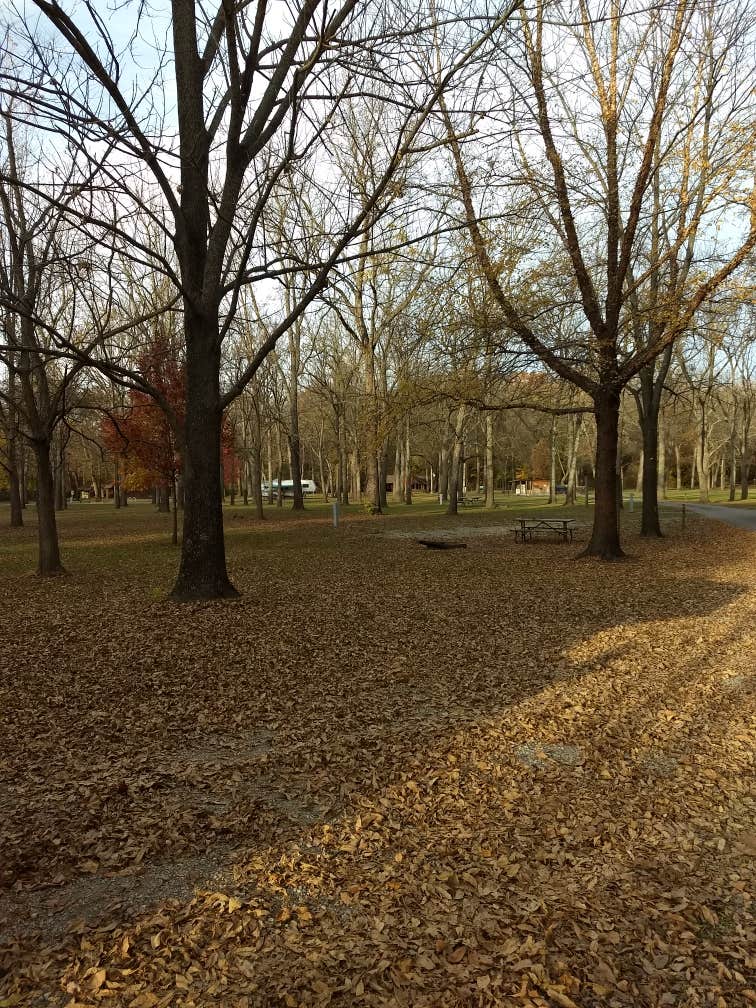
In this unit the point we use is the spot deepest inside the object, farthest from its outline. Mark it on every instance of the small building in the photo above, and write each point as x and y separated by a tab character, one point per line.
419	483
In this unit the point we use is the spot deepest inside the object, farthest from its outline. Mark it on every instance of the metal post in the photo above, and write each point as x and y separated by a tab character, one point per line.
683	517
632	503
440	498
335	507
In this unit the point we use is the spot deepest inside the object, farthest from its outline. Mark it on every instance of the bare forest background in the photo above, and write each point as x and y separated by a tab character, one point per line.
380	250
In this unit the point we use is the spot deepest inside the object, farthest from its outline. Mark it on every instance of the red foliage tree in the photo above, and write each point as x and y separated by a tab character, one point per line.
141	434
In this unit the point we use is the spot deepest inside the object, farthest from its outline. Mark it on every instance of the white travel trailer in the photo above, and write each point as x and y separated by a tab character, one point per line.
287	487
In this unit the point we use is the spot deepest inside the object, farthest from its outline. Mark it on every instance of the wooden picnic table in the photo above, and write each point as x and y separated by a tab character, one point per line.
563	527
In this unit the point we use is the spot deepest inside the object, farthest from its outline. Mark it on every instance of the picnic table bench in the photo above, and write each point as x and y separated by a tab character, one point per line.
471	502
529	527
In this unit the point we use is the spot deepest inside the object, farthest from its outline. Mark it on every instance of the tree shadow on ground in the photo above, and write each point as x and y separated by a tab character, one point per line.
380	702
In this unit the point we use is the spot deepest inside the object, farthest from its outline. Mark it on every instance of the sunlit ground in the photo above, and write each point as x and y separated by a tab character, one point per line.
385	775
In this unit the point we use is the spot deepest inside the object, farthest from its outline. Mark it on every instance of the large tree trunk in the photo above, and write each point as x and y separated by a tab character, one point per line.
49	563
202	572
652	379
605	539
650	525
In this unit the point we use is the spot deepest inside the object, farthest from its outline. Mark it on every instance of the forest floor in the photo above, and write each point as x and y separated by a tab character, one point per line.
385	776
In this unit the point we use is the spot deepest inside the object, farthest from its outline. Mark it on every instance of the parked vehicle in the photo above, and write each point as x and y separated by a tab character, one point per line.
287	487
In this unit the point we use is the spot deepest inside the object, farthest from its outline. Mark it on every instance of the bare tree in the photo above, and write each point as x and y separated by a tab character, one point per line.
629	75
37	310
257	94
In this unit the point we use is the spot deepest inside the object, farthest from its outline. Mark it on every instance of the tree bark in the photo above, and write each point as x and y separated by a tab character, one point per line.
605	540
648	400
50	564
650	525
202	571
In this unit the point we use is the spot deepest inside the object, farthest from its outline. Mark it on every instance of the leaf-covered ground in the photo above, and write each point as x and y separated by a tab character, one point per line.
385	776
